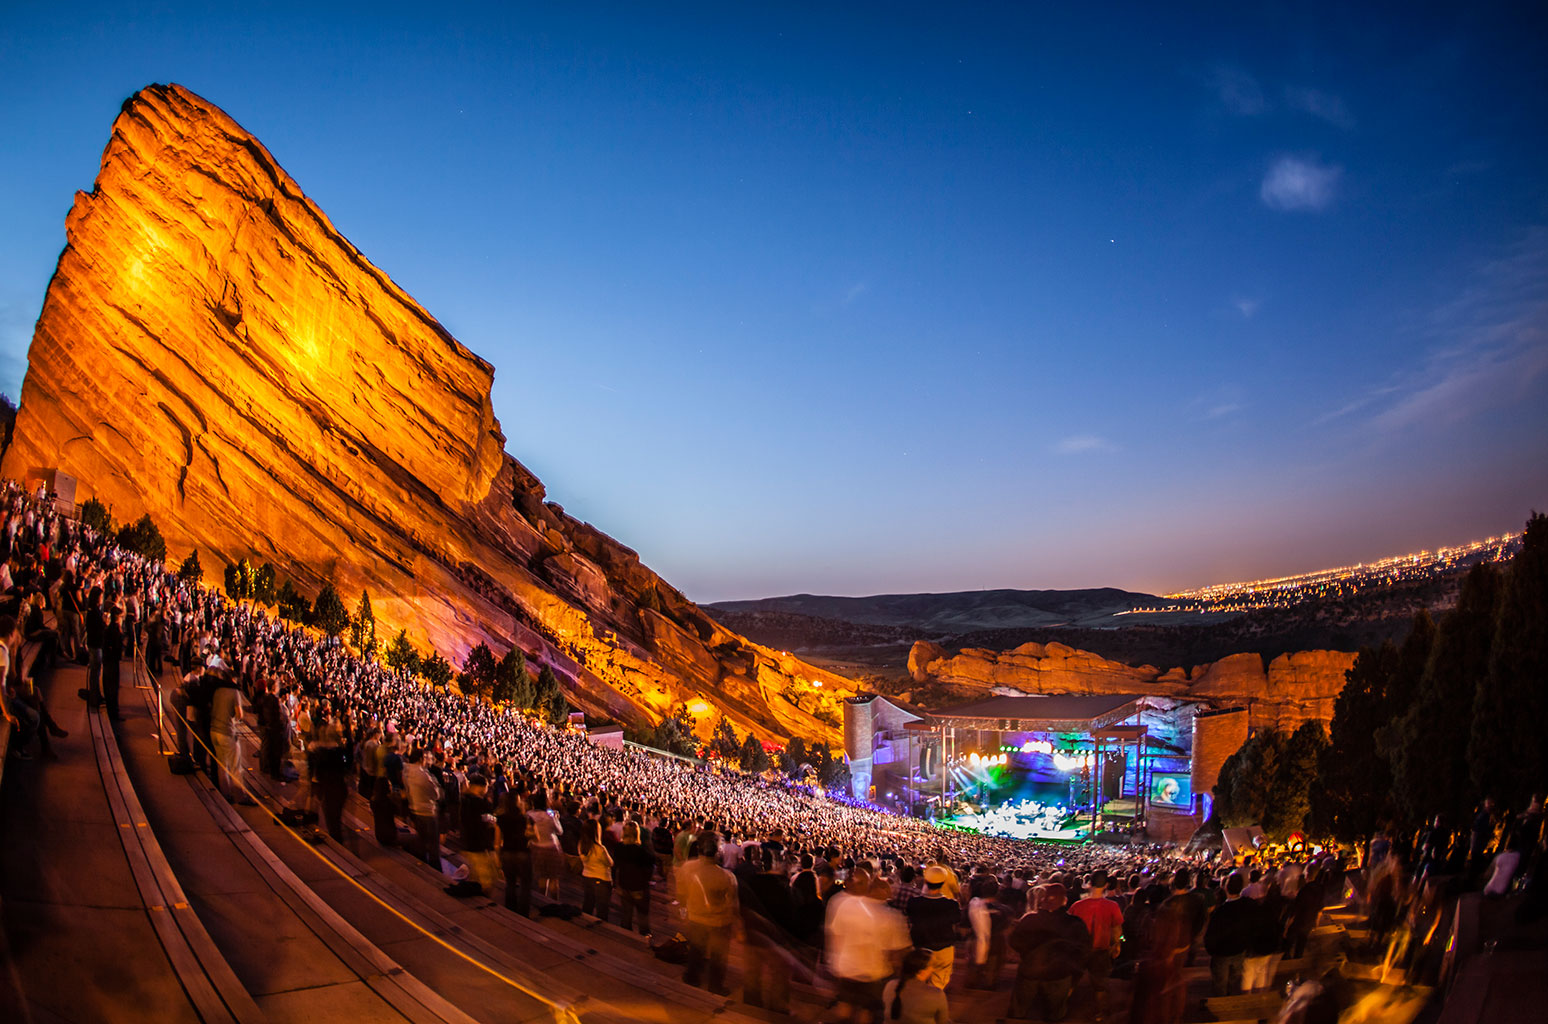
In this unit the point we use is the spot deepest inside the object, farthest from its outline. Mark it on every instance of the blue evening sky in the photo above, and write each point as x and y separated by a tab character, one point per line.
862	298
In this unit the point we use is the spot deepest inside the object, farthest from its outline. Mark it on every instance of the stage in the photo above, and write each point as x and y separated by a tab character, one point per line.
1025	819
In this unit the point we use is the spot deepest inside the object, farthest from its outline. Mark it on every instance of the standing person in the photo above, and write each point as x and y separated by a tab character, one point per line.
69	617
225	713
515	852
423	792
911	998
111	664
708	894
331	763
1226	937
478	833
547	855
1521	835
933	918
96	632
596	871
1054	947
384	798
864	939
769	922
1479	836
1104	920
634	865
24	719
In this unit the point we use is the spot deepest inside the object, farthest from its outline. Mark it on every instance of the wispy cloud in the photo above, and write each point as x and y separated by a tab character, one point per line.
1082	444
853	292
1246	307
1223	401
1300	183
1317	103
1486	348
1238	91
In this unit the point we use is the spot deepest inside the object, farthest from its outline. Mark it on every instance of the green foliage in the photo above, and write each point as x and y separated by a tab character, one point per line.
1353	776
723	740
512	684
292	604
1508	748
362	627
240	580
753	757
144	539
556	709
436	670
791	691
478	671
547	686
1267	781
329	613
263	584
650	599
794	760
675	734
1428	744
96	515
401	656
191	571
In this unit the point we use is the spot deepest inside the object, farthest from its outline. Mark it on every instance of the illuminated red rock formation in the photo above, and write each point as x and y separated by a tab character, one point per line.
213	351
1293	687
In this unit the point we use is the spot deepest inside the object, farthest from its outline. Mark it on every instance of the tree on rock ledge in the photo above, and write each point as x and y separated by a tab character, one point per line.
329	613
478	671
362	627
144	539
436	670
191	571
753	757
291	604
401	656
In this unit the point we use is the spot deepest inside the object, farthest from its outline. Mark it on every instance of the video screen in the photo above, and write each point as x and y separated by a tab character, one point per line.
1171	790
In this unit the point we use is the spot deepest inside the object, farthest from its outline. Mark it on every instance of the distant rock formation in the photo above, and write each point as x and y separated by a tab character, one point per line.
212	351
1290	690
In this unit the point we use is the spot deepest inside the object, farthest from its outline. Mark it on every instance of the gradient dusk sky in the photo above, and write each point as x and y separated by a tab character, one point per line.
848	299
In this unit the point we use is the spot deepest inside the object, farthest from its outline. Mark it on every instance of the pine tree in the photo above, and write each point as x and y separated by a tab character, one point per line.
328	611
401	656
556	709
362	627
512	684
191	571
1429	743
723	740
753	757
436	670
144	538
1353	777
478	671
263	584
291	604
547	686
1508	748
794	759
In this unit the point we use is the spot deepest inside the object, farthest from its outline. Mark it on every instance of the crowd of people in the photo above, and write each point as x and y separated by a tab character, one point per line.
878	906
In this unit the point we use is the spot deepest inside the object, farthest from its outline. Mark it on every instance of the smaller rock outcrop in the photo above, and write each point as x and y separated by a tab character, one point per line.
1287	691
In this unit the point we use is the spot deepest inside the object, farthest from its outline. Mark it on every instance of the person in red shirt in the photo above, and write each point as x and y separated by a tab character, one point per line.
1104	920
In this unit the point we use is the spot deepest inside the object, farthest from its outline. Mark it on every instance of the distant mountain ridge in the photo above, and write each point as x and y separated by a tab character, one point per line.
960	611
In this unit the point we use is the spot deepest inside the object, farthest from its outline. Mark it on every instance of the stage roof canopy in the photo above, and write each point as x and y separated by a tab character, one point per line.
1049	711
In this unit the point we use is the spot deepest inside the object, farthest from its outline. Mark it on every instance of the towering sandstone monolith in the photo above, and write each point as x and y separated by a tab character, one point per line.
212	351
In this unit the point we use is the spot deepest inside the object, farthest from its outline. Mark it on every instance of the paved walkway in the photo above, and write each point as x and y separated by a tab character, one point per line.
79	941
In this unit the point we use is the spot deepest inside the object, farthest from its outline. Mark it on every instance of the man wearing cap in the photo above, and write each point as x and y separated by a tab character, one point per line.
1054	947
933	918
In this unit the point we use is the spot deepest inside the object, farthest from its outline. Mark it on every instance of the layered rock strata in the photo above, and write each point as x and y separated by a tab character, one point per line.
211	350
1287	691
